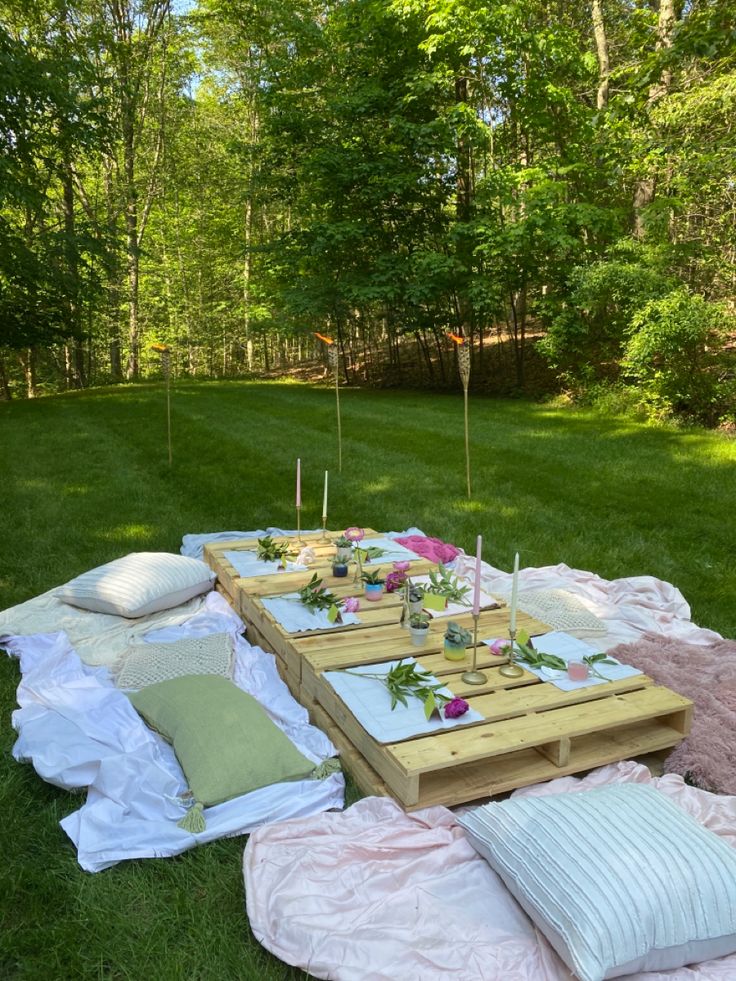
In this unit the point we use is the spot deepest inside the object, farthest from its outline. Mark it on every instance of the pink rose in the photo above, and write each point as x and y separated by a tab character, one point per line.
394	581
354	534
456	708
351	604
402	566
498	647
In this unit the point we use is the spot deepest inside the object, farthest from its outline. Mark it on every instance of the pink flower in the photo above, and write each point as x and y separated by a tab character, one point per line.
351	604
354	534
394	581
402	566
498	647
456	708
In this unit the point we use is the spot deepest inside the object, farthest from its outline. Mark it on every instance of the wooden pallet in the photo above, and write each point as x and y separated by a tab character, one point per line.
531	731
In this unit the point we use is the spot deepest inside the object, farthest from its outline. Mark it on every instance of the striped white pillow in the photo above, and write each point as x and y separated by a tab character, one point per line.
619	879
138	584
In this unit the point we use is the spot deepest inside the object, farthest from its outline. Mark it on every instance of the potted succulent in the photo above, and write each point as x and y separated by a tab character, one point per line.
456	640
343	550
373	583
416	598
419	628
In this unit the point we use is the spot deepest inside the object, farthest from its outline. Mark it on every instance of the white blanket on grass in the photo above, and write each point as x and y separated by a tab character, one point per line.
78	731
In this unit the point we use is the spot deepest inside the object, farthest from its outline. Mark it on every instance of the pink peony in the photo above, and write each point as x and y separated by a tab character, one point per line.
402	566
354	534
394	581
498	647
351	604
456	708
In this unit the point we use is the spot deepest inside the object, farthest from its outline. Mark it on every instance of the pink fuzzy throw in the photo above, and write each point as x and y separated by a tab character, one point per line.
707	675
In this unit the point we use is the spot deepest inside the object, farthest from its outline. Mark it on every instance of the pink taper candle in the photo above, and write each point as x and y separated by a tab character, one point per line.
298	483
476	586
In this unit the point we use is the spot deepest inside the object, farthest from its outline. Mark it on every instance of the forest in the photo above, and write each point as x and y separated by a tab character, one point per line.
555	183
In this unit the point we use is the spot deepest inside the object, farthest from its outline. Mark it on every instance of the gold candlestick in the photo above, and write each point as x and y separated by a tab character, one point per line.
299	523
324	527
512	669
475	677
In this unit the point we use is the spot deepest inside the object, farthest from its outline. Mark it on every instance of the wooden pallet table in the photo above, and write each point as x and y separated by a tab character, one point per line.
531	731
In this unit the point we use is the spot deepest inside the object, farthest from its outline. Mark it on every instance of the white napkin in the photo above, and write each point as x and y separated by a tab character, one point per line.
369	701
569	648
294	616
248	564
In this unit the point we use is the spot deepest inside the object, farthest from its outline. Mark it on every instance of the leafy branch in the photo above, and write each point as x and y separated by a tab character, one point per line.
408	680
525	652
271	551
315	597
443	583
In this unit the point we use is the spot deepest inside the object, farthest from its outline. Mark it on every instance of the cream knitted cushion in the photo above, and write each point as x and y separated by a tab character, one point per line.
147	664
618	879
561	610
138	584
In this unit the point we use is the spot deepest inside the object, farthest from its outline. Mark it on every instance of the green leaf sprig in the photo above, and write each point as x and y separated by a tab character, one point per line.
443	583
315	597
408	680
527	654
271	551
370	553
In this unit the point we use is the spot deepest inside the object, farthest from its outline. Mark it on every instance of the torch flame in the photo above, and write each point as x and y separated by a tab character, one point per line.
161	348
327	340
456	338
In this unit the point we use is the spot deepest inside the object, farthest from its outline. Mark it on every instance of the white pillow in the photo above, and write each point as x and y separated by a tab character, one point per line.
148	663
618	879
138	584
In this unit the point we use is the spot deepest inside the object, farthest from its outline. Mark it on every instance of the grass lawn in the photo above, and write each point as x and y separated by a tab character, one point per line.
86	479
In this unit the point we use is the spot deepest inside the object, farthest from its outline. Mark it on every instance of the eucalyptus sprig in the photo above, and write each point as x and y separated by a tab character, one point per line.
408	680
315	597
271	551
443	583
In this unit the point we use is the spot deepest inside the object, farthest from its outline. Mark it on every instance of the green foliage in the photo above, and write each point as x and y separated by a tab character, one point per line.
271	551
587	332
676	352
373	578
443	583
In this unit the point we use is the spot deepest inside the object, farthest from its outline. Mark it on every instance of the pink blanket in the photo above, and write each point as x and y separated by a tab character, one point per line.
373	893
429	548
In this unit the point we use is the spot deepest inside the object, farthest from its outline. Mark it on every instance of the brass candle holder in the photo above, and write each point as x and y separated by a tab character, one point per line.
511	669
475	677
299	523
324	527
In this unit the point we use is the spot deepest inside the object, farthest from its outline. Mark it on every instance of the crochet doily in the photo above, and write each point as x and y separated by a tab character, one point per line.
147	664
561	610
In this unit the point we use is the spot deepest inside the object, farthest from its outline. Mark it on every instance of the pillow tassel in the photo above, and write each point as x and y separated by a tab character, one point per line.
325	769
193	821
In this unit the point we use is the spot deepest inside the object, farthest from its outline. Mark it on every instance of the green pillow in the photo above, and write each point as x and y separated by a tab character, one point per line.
223	739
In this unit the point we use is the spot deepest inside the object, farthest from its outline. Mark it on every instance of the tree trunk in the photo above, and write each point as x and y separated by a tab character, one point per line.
4	384
646	188
601	44
28	362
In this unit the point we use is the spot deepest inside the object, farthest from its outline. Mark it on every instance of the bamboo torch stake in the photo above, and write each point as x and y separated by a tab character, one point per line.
334	362
463	363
